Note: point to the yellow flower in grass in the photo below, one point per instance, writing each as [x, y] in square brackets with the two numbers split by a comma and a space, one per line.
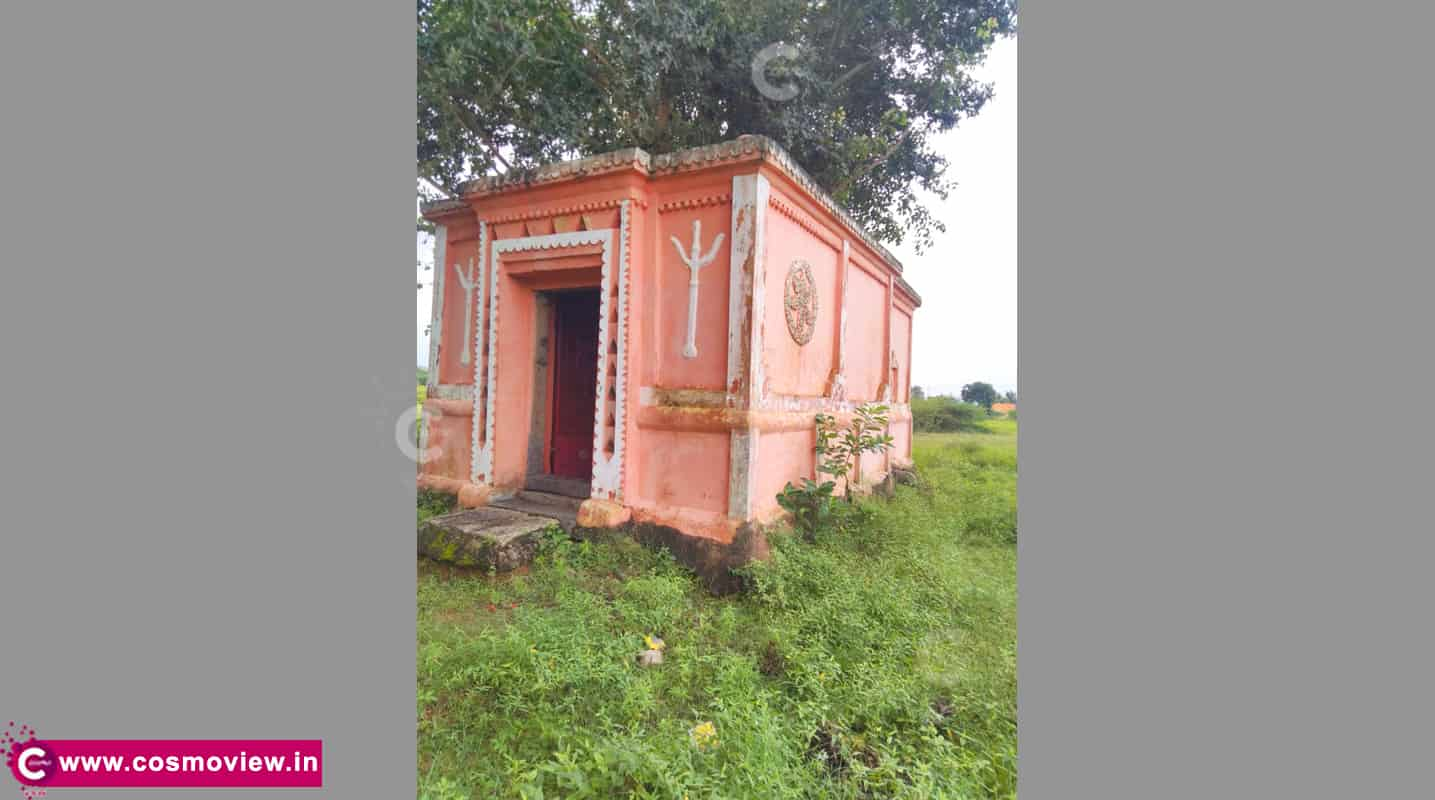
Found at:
[653, 642]
[704, 735]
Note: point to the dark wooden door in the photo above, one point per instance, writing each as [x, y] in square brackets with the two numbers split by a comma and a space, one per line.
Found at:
[575, 382]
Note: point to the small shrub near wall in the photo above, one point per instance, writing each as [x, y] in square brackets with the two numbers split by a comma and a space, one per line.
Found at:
[433, 503]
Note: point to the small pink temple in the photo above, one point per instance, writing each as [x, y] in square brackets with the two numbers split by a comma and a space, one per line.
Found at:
[655, 334]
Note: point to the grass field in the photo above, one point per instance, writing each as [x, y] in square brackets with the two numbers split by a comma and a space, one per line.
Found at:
[878, 662]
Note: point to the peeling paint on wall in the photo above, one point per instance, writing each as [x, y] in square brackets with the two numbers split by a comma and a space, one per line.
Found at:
[745, 310]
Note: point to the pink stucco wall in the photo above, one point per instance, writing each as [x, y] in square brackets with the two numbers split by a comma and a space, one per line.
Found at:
[708, 370]
[791, 368]
[678, 472]
[866, 331]
[902, 345]
[461, 247]
[902, 395]
[783, 456]
[685, 471]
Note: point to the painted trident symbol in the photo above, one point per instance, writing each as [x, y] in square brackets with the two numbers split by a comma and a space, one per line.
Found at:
[695, 262]
[468, 283]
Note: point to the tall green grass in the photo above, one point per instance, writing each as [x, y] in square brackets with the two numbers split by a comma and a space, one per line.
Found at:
[879, 661]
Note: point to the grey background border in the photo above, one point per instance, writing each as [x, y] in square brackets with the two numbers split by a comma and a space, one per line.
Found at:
[1225, 542]
[208, 322]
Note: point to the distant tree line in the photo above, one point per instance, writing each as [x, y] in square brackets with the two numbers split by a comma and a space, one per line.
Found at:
[946, 414]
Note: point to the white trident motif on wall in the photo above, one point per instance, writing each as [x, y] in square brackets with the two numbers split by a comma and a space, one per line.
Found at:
[695, 262]
[468, 283]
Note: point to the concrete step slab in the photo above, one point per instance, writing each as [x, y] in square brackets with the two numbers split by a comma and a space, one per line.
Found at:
[483, 538]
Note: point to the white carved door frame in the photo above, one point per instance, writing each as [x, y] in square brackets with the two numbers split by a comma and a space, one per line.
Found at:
[608, 445]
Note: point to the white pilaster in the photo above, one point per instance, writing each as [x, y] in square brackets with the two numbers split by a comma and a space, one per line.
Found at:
[440, 268]
[747, 290]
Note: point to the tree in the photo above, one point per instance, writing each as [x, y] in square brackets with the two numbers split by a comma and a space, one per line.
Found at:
[918, 394]
[840, 452]
[510, 84]
[1010, 397]
[983, 394]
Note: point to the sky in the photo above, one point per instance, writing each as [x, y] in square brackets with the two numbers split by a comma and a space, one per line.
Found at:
[965, 330]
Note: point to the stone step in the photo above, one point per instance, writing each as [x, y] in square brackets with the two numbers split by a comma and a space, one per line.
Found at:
[563, 510]
[552, 484]
[484, 538]
[550, 499]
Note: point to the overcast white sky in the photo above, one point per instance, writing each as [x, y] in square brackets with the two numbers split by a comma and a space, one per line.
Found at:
[966, 327]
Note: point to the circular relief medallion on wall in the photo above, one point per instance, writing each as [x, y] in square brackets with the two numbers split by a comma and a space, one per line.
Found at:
[800, 301]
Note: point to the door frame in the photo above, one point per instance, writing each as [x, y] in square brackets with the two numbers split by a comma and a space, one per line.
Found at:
[611, 400]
